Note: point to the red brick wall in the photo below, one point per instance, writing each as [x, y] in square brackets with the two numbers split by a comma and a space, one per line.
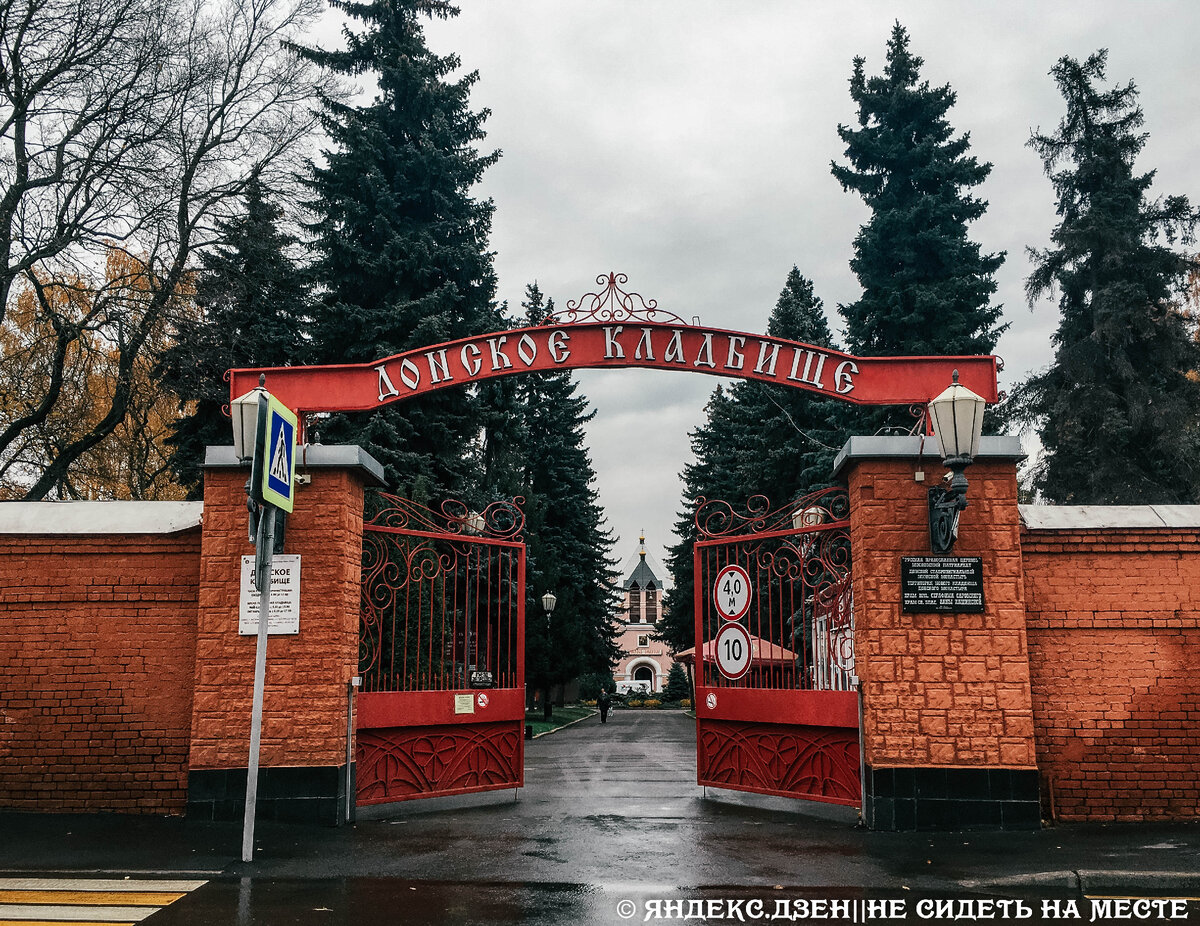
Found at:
[304, 703]
[97, 655]
[948, 690]
[1114, 648]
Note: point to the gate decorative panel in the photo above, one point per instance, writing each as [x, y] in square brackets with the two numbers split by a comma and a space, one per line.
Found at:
[441, 651]
[403, 762]
[814, 762]
[776, 706]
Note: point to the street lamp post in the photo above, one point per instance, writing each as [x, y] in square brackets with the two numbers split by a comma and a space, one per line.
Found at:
[549, 600]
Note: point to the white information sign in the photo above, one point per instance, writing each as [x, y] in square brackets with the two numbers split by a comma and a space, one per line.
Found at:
[731, 592]
[283, 614]
[733, 650]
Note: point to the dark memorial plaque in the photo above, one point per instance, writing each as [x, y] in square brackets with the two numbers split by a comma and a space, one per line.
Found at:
[945, 584]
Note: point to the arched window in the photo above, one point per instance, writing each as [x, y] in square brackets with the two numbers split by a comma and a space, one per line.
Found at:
[635, 604]
[651, 603]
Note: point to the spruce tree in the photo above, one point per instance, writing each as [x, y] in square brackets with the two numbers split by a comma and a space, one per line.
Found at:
[252, 303]
[1119, 416]
[716, 473]
[926, 285]
[794, 435]
[677, 687]
[758, 439]
[569, 547]
[401, 245]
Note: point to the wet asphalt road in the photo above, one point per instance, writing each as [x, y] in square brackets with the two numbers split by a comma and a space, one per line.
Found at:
[610, 816]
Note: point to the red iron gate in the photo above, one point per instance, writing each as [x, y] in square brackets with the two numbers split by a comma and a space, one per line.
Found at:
[441, 651]
[776, 707]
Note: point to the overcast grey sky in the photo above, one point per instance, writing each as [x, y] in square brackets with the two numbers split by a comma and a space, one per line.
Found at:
[687, 144]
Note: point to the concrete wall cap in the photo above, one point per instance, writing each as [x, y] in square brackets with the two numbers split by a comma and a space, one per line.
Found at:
[113, 517]
[1101, 517]
[916, 446]
[310, 457]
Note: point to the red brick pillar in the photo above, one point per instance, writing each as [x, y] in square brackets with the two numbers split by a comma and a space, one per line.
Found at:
[947, 713]
[303, 773]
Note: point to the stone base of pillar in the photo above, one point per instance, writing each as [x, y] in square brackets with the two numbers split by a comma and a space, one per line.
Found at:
[908, 799]
[305, 794]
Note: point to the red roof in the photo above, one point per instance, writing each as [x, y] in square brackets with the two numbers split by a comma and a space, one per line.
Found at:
[760, 651]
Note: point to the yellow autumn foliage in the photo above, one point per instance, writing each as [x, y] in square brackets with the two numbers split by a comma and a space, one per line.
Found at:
[82, 319]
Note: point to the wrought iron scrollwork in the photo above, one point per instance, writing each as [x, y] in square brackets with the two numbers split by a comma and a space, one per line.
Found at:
[438, 594]
[612, 304]
[501, 520]
[392, 571]
[716, 518]
[798, 561]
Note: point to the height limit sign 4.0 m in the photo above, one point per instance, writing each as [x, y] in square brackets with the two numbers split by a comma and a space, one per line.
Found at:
[731, 593]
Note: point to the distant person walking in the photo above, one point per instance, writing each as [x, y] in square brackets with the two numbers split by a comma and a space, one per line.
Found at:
[604, 701]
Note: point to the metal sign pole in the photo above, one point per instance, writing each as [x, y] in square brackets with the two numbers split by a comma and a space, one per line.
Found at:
[262, 576]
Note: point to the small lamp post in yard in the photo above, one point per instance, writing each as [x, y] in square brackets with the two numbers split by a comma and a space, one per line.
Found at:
[549, 600]
[957, 419]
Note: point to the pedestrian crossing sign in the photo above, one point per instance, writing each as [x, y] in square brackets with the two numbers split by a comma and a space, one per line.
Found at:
[278, 483]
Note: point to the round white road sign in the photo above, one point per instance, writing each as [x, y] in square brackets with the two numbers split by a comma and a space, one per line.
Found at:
[733, 650]
[731, 592]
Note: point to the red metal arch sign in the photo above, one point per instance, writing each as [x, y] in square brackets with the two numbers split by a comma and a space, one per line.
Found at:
[611, 333]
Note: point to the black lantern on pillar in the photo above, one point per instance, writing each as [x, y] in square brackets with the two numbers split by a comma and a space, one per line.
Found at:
[957, 419]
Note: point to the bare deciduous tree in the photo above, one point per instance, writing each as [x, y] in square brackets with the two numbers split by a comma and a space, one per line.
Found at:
[134, 125]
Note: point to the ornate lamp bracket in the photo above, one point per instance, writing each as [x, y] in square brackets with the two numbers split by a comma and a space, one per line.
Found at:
[946, 504]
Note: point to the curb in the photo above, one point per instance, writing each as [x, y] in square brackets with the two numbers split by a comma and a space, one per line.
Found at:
[1116, 881]
[1097, 882]
[149, 874]
[538, 736]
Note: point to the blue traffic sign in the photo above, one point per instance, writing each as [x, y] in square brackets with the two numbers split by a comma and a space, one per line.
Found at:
[278, 485]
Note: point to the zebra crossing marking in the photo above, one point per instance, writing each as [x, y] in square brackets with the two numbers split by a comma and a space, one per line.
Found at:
[87, 901]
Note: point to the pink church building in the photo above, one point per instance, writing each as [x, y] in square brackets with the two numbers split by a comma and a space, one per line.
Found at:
[644, 661]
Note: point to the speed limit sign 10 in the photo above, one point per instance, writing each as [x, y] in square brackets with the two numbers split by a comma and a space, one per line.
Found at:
[733, 651]
[731, 593]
